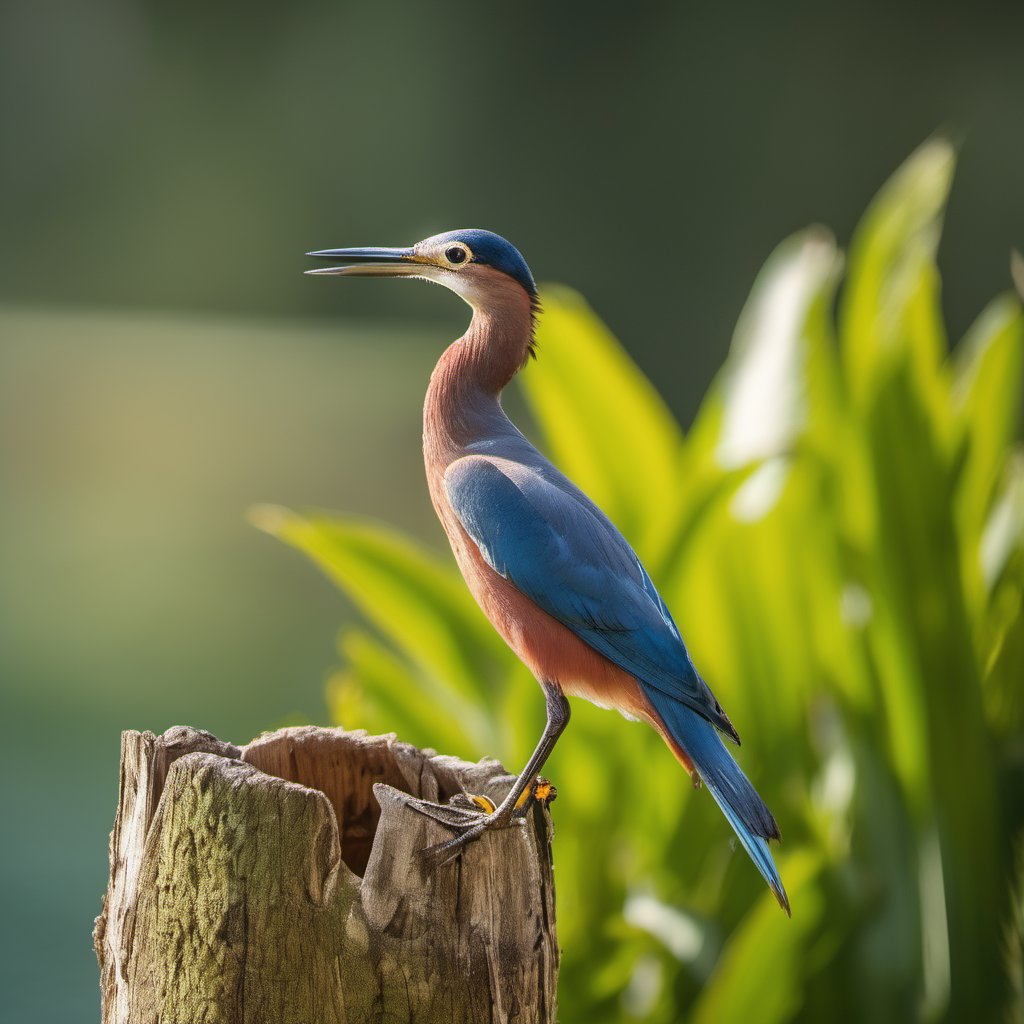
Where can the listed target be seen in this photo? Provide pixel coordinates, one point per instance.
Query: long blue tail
(747, 812)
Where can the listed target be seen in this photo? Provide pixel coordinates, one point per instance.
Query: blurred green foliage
(841, 538)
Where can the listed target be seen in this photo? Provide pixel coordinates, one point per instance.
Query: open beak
(370, 262)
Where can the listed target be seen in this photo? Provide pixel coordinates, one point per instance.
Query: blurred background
(165, 364)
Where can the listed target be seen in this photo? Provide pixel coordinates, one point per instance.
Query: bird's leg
(473, 827)
(558, 718)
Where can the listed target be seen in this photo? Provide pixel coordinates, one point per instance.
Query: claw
(468, 817)
(468, 826)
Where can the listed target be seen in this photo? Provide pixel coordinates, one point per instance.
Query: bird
(550, 570)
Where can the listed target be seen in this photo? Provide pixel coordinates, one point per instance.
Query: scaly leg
(469, 826)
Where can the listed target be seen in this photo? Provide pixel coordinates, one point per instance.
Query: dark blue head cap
(493, 251)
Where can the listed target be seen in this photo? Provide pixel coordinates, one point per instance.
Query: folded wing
(539, 531)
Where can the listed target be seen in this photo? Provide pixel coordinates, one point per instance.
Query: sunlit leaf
(987, 397)
(1002, 627)
(1004, 531)
(890, 302)
(604, 423)
(759, 976)
(764, 380)
(414, 598)
(917, 582)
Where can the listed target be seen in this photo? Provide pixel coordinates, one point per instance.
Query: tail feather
(696, 738)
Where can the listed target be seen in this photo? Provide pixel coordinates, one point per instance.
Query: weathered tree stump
(283, 883)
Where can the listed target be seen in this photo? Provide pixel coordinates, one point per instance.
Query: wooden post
(283, 883)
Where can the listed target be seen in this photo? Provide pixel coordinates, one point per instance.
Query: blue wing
(539, 531)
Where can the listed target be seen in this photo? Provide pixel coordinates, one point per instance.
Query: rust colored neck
(463, 400)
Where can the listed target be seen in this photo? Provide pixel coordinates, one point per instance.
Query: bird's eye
(455, 254)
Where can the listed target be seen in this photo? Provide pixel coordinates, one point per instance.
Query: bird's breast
(552, 652)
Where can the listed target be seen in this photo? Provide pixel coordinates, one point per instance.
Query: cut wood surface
(284, 883)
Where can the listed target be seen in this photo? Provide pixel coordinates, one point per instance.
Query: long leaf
(604, 423)
(414, 598)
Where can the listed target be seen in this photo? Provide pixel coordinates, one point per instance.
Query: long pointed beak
(369, 262)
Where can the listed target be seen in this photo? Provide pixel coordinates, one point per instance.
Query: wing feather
(539, 531)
